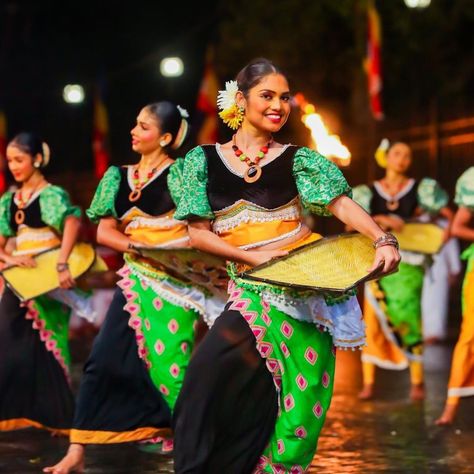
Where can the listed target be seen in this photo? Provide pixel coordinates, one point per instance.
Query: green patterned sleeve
(431, 196)
(103, 202)
(55, 206)
(319, 181)
(194, 202)
(5, 216)
(363, 195)
(465, 189)
(175, 180)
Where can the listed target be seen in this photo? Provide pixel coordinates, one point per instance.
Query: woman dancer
(258, 387)
(138, 360)
(461, 381)
(34, 350)
(392, 306)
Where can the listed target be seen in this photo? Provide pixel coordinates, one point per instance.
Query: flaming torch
(327, 144)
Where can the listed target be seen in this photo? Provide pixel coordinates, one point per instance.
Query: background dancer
(34, 349)
(271, 352)
(461, 380)
(135, 370)
(392, 305)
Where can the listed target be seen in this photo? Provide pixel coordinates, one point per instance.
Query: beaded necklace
(138, 185)
(254, 171)
(22, 203)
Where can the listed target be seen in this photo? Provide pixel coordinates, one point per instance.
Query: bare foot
(448, 415)
(367, 392)
(417, 392)
(72, 462)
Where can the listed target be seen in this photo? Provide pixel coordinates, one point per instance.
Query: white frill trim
(79, 303)
(189, 297)
(222, 224)
(461, 392)
(32, 236)
(154, 223)
(344, 320)
(414, 258)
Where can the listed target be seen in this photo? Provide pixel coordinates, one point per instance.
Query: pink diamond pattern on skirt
(325, 380)
(318, 410)
(280, 446)
(301, 432)
(258, 332)
(184, 347)
(265, 349)
(311, 355)
(174, 370)
(159, 347)
(173, 326)
(266, 319)
(273, 365)
(289, 402)
(164, 389)
(284, 349)
(296, 470)
(286, 329)
(157, 303)
(279, 469)
(147, 324)
(302, 382)
(250, 316)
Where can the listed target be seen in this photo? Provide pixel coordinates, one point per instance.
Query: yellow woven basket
(335, 264)
(420, 237)
(28, 283)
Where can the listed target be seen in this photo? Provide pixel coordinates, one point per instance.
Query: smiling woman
(243, 201)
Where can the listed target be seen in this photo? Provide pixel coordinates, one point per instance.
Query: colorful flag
(206, 107)
(373, 61)
(100, 137)
(3, 147)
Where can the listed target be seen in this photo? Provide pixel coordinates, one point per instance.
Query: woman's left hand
(66, 280)
(388, 254)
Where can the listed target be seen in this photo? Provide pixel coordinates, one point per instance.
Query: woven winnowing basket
(334, 264)
(420, 237)
(28, 283)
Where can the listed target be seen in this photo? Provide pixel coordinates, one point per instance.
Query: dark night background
(427, 64)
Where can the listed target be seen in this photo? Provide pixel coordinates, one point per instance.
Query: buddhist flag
(373, 62)
(3, 147)
(100, 137)
(206, 107)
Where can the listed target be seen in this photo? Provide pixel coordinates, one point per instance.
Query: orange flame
(327, 144)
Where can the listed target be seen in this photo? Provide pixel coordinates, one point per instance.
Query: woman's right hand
(20, 261)
(257, 257)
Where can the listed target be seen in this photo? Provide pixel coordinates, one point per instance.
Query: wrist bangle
(386, 239)
(61, 267)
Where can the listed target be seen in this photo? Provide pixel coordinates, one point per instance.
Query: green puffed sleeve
(103, 202)
(363, 195)
(5, 216)
(431, 196)
(55, 206)
(319, 181)
(194, 201)
(175, 180)
(465, 189)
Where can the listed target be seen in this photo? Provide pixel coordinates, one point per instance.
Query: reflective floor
(389, 435)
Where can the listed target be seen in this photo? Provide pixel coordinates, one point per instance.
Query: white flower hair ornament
(46, 154)
(381, 153)
(183, 128)
(230, 113)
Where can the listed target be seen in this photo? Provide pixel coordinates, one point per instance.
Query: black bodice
(155, 199)
(407, 204)
(32, 215)
(275, 187)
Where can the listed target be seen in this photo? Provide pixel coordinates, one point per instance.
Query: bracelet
(134, 248)
(61, 267)
(386, 239)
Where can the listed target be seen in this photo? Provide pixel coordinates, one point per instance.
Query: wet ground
(387, 435)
